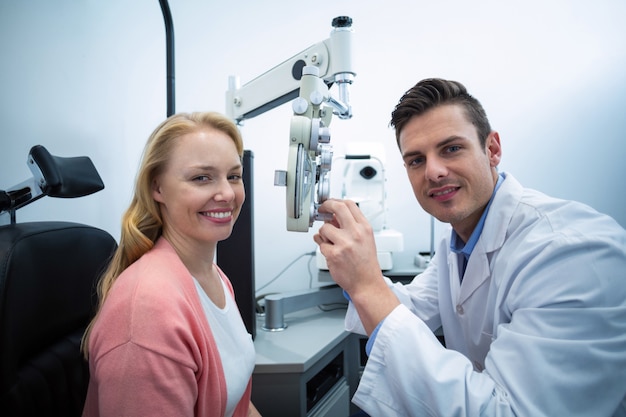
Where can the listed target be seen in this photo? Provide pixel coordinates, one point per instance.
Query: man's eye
(416, 161)
(453, 148)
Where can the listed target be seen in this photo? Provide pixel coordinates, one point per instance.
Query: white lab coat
(537, 328)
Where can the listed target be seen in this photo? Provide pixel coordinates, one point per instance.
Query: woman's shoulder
(154, 281)
(146, 299)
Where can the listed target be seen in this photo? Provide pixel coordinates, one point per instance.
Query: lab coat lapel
(492, 237)
(455, 279)
(476, 273)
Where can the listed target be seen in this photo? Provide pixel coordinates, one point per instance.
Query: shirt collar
(456, 243)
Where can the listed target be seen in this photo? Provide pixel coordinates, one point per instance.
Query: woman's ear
(156, 191)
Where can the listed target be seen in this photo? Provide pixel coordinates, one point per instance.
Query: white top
(234, 344)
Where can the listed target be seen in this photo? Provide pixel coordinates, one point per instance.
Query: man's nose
(435, 169)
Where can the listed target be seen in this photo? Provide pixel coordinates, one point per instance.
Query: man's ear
(493, 149)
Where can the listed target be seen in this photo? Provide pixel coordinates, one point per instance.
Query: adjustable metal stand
(277, 305)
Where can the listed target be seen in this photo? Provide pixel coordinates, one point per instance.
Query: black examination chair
(48, 272)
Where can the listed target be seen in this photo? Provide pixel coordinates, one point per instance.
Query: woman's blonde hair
(142, 223)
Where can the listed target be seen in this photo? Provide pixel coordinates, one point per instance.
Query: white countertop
(310, 334)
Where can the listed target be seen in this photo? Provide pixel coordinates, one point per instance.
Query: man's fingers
(344, 211)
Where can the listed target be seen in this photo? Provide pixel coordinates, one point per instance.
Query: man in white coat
(530, 291)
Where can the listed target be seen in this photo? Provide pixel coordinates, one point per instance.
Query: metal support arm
(333, 58)
(277, 305)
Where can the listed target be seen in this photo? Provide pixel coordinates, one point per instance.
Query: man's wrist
(374, 304)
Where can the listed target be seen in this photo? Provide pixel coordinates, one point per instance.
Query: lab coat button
(459, 309)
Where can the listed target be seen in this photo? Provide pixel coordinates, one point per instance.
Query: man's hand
(347, 242)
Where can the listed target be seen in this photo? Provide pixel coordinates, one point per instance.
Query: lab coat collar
(500, 214)
(491, 239)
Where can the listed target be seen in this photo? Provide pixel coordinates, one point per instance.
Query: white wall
(85, 77)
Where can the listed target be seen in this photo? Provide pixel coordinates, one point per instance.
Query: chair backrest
(48, 275)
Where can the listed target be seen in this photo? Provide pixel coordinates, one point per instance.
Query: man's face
(452, 176)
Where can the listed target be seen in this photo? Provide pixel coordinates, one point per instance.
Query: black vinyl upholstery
(48, 275)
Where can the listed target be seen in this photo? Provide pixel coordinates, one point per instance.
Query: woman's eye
(202, 178)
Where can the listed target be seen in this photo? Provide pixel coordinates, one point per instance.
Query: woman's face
(201, 189)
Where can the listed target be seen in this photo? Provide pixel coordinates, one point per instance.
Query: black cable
(169, 44)
(285, 269)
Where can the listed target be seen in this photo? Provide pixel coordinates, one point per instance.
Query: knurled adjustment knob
(342, 22)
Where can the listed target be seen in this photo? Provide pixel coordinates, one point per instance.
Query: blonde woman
(168, 339)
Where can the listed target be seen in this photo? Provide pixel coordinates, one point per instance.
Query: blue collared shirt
(457, 246)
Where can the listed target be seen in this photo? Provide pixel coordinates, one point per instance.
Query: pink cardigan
(151, 351)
